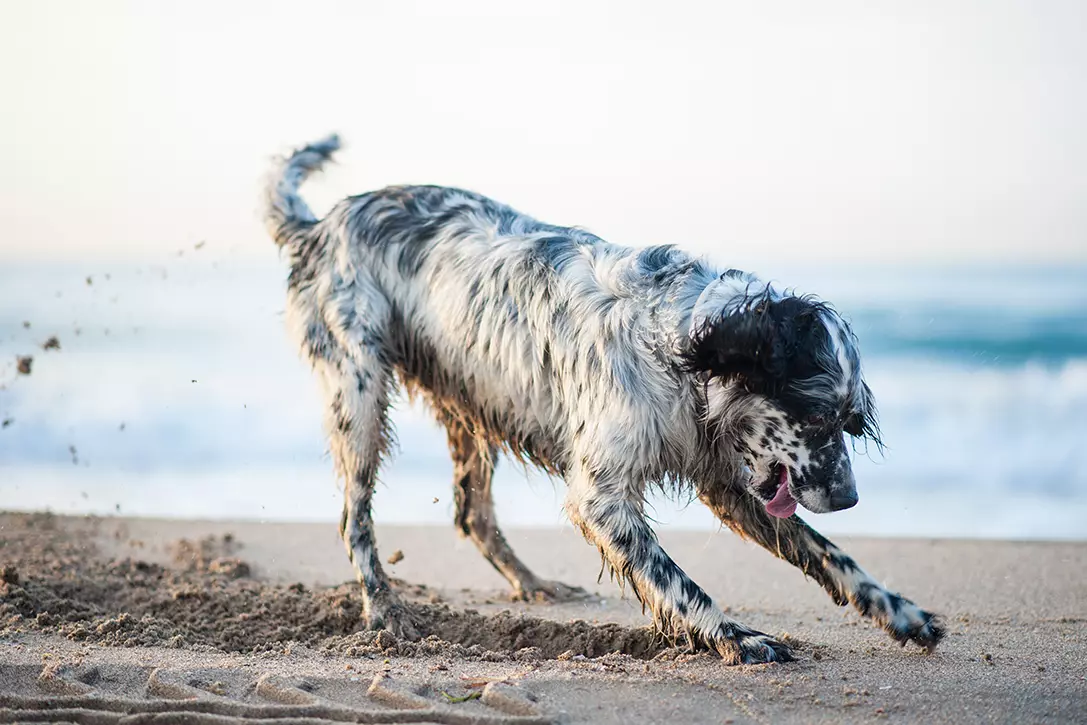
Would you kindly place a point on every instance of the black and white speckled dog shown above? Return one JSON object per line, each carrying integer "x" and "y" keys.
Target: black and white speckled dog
{"x": 613, "y": 368}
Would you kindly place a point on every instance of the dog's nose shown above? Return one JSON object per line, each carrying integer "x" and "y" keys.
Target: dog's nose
{"x": 840, "y": 500}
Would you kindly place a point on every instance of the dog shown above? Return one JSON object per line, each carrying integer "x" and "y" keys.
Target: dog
{"x": 614, "y": 369}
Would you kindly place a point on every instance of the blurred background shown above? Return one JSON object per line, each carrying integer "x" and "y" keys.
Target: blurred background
{"x": 921, "y": 165}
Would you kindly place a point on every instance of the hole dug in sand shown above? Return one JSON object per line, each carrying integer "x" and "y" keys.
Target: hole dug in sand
{"x": 55, "y": 581}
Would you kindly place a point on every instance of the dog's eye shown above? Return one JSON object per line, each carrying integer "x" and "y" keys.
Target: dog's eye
{"x": 815, "y": 421}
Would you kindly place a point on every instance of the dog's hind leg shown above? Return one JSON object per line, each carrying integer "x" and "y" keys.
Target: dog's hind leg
{"x": 473, "y": 470}
{"x": 345, "y": 341}
{"x": 805, "y": 548}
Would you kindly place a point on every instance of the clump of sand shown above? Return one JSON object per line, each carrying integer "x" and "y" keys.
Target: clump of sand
{"x": 56, "y": 581}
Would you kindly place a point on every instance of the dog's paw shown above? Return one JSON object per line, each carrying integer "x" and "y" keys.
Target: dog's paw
{"x": 549, "y": 592}
{"x": 752, "y": 648}
{"x": 907, "y": 622}
{"x": 397, "y": 618}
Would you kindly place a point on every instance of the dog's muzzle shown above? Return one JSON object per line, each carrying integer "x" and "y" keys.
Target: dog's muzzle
{"x": 783, "y": 503}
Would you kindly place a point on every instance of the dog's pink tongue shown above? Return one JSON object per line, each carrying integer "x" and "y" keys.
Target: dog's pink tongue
{"x": 782, "y": 505}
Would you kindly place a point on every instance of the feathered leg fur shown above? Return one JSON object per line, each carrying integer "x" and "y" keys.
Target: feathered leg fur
{"x": 609, "y": 512}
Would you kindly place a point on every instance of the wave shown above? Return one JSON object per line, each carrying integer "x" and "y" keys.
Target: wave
{"x": 975, "y": 336}
{"x": 978, "y": 408}
{"x": 982, "y": 428}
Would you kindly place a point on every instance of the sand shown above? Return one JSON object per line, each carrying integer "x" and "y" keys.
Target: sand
{"x": 110, "y": 620}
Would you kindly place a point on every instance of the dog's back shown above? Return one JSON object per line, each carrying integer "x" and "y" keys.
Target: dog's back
{"x": 524, "y": 331}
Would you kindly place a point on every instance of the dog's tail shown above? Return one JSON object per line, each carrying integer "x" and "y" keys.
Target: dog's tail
{"x": 284, "y": 210}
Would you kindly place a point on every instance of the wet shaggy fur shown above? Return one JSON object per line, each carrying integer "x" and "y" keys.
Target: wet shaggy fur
{"x": 613, "y": 368}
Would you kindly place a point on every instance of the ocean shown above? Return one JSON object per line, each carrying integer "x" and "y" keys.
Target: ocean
{"x": 176, "y": 392}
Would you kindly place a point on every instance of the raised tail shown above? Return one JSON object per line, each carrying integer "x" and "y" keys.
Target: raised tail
{"x": 284, "y": 210}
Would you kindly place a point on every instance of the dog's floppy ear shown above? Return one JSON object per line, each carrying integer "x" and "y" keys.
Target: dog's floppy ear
{"x": 754, "y": 340}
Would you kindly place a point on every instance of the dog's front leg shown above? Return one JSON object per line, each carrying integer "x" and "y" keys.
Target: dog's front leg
{"x": 805, "y": 548}
{"x": 609, "y": 513}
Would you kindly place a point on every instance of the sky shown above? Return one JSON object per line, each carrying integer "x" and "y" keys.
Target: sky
{"x": 942, "y": 132}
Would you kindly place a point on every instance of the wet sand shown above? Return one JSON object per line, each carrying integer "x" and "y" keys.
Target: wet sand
{"x": 189, "y": 621}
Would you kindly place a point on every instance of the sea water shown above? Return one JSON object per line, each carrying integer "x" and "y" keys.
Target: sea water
{"x": 176, "y": 392}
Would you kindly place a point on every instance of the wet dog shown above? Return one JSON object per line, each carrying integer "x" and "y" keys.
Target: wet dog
{"x": 615, "y": 369}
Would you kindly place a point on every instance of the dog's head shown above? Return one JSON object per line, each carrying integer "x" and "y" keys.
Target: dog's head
{"x": 783, "y": 389}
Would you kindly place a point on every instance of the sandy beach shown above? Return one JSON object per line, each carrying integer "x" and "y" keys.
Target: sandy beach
{"x": 187, "y": 621}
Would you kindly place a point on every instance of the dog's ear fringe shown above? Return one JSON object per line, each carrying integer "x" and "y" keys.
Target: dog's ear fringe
{"x": 751, "y": 337}
{"x": 869, "y": 423}
{"x": 733, "y": 346}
